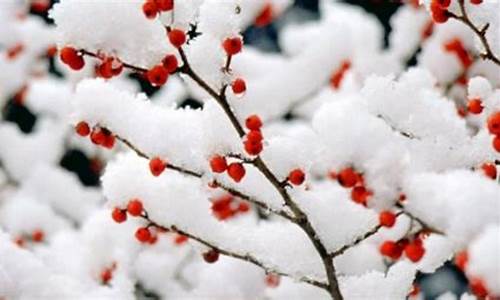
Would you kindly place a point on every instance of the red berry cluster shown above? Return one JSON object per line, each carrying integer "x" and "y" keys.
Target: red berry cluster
{"x": 151, "y": 8}
{"x": 36, "y": 236}
{"x": 265, "y": 16}
{"x": 99, "y": 136}
{"x": 227, "y": 206}
{"x": 338, "y": 75}
{"x": 235, "y": 170}
{"x": 476, "y": 284}
{"x": 456, "y": 47}
{"x": 494, "y": 129}
{"x": 253, "y": 143}
{"x": 72, "y": 57}
{"x": 439, "y": 10}
{"x": 349, "y": 178}
{"x": 413, "y": 249}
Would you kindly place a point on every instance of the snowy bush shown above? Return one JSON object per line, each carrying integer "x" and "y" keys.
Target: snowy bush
{"x": 333, "y": 169}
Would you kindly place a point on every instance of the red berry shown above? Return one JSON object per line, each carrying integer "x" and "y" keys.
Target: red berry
{"x": 415, "y": 250}
{"x": 109, "y": 141}
{"x": 243, "y": 207}
{"x": 98, "y": 136}
{"x": 177, "y": 37}
{"x": 496, "y": 143}
{"x": 218, "y": 164}
{"x": 238, "y": 86}
{"x": 180, "y": 239}
{"x": 158, "y": 75}
{"x": 461, "y": 259}
{"x": 265, "y": 16}
{"x": 414, "y": 290}
{"x": 165, "y": 5}
{"x": 347, "y": 177}
{"x": 338, "y": 75}
{"x": 236, "y": 171}
{"x": 118, "y": 215}
{"x": 475, "y": 106}
{"x": 211, "y": 256}
{"x": 494, "y": 123}
{"x": 273, "y": 280}
{"x": 143, "y": 234}
{"x": 360, "y": 195}
{"x": 478, "y": 287}
{"x": 71, "y": 57}
{"x": 253, "y": 147}
{"x": 428, "y": 29}
{"x": 387, "y": 219}
{"x": 110, "y": 67}
{"x": 442, "y": 3}
{"x": 253, "y": 122}
{"x": 439, "y": 15}
{"x": 170, "y": 63}
{"x": 82, "y": 128}
{"x": 106, "y": 276}
{"x": 134, "y": 207}
{"x": 232, "y": 46}
{"x": 37, "y": 235}
{"x": 391, "y": 249}
{"x": 476, "y": 2}
{"x": 490, "y": 170}
{"x": 150, "y": 9}
{"x": 254, "y": 136}
{"x": 296, "y": 177}
{"x": 157, "y": 166}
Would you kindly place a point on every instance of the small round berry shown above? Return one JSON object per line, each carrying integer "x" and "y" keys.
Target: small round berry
{"x": 461, "y": 260}
{"x": 236, "y": 171}
{"x": 37, "y": 236}
{"x": 478, "y": 287}
{"x": 180, "y": 239}
{"x": 360, "y": 195}
{"x": 232, "y": 46}
{"x": 439, "y": 15}
{"x": 109, "y": 141}
{"x": 211, "y": 256}
{"x": 157, "y": 166}
{"x": 387, "y": 219}
{"x": 143, "y": 234}
{"x": 475, "y": 106}
{"x": 494, "y": 123}
{"x": 177, "y": 37}
{"x": 106, "y": 275}
{"x": 265, "y": 16}
{"x": 82, "y": 128}
{"x": 252, "y": 147}
{"x": 391, "y": 249}
{"x": 150, "y": 9}
{"x": 296, "y": 177}
{"x": 415, "y": 250}
{"x": 253, "y": 122}
{"x": 170, "y": 63}
{"x": 119, "y": 215}
{"x": 218, "y": 164}
{"x": 71, "y": 57}
{"x": 254, "y": 136}
{"x": 347, "y": 177}
{"x": 165, "y": 5}
{"x": 98, "y": 136}
{"x": 490, "y": 170}
{"x": 243, "y": 207}
{"x": 158, "y": 75}
{"x": 496, "y": 143}
{"x": 239, "y": 86}
{"x": 273, "y": 280}
{"x": 134, "y": 207}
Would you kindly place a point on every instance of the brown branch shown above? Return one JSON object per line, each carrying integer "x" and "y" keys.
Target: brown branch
{"x": 246, "y": 257}
{"x": 481, "y": 33}
{"x": 231, "y": 190}
{"x": 300, "y": 218}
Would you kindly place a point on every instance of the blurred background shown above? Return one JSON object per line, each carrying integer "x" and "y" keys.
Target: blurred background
{"x": 447, "y": 278}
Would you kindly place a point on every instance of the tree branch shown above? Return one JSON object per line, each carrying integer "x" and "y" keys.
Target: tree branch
{"x": 481, "y": 33}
